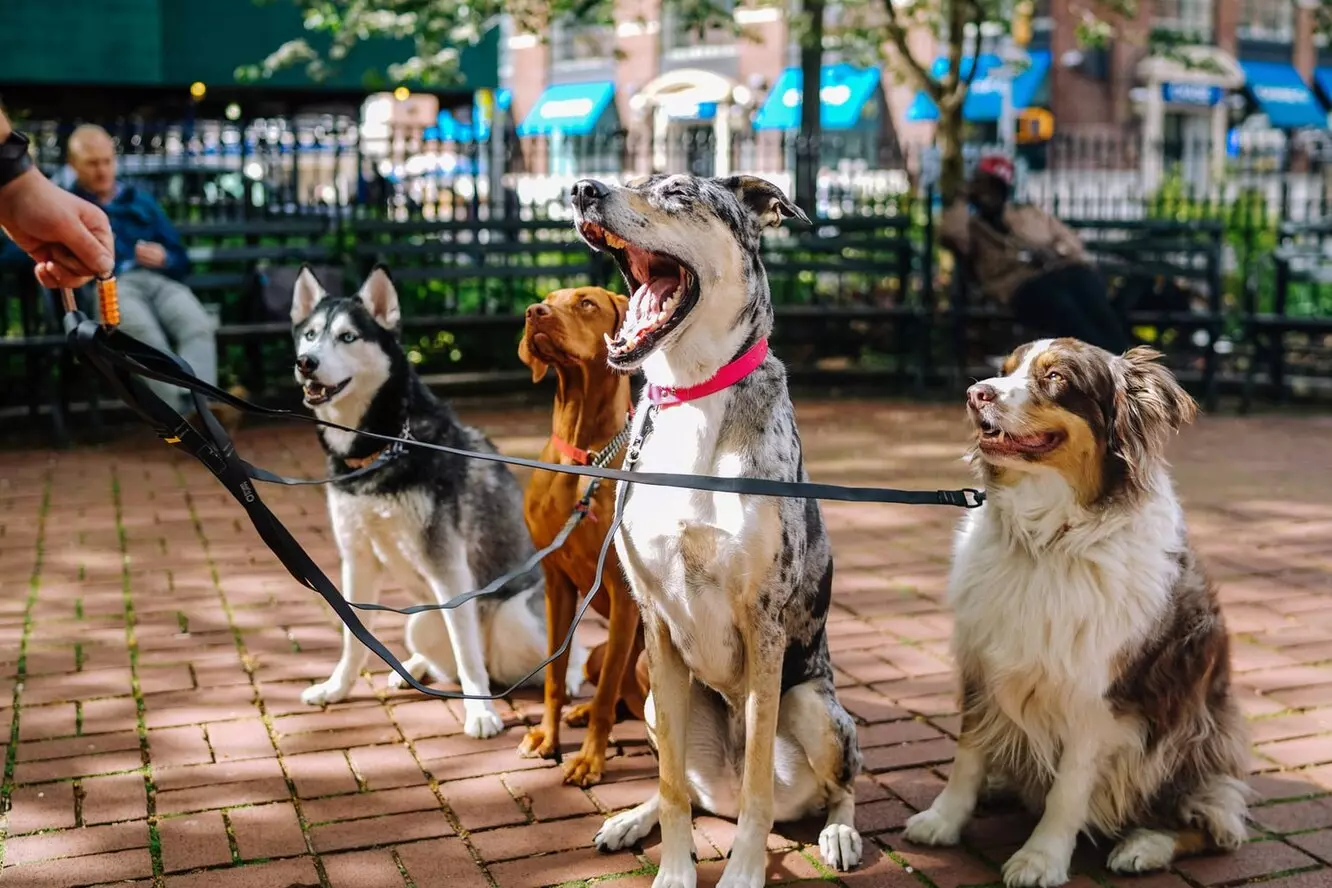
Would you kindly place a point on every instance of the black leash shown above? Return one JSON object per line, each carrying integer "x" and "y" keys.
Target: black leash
{"x": 120, "y": 358}
{"x": 123, "y": 351}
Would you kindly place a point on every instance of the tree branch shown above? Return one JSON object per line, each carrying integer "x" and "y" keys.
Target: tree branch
{"x": 899, "y": 36}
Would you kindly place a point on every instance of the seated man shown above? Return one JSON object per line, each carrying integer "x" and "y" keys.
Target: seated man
{"x": 1028, "y": 260}
{"x": 155, "y": 306}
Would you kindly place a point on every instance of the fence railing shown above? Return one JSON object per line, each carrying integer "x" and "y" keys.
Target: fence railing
{"x": 867, "y": 288}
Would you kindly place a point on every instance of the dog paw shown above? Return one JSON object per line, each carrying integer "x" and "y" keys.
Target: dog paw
{"x": 929, "y": 827}
{"x": 416, "y": 667}
{"x": 743, "y": 874}
{"x": 679, "y": 877}
{"x": 840, "y": 846}
{"x": 1035, "y": 868}
{"x": 623, "y": 830}
{"x": 584, "y": 769}
{"x": 482, "y": 724}
{"x": 1143, "y": 851}
{"x": 325, "y": 692}
{"x": 537, "y": 744}
{"x": 577, "y": 716}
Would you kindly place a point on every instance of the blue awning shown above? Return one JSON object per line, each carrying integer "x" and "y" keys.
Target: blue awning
{"x": 570, "y": 108}
{"x": 1283, "y": 95}
{"x": 1323, "y": 77}
{"x": 449, "y": 129}
{"x": 983, "y": 102}
{"x": 845, "y": 92}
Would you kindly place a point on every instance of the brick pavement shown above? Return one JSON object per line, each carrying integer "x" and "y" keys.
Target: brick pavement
{"x": 154, "y": 653}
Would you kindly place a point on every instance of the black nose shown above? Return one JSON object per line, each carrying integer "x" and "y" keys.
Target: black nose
{"x": 538, "y": 310}
{"x": 587, "y": 192}
{"x": 981, "y": 394}
{"x": 306, "y": 365}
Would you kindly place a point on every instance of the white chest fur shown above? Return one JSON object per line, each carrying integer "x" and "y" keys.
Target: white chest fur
{"x": 392, "y": 528}
{"x": 691, "y": 554}
{"x": 1047, "y": 597}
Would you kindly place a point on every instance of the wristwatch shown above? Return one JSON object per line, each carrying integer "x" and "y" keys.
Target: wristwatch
{"x": 14, "y": 157}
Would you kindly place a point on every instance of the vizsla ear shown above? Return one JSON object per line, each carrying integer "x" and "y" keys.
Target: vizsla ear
{"x": 538, "y": 366}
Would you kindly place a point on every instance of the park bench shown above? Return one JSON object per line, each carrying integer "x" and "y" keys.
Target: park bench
{"x": 847, "y": 283}
{"x": 1133, "y": 256}
{"x": 1301, "y": 307}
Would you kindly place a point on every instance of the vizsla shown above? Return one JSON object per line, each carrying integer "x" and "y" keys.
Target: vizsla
{"x": 567, "y": 332}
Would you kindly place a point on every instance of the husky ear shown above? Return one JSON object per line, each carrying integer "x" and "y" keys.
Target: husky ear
{"x": 381, "y": 298}
{"x": 765, "y": 201}
{"x": 306, "y": 295}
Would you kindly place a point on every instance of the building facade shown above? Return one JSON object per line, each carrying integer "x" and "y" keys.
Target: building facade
{"x": 1246, "y": 72}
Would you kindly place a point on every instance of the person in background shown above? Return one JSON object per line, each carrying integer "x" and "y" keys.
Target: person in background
{"x": 156, "y": 307}
{"x": 1026, "y": 259}
{"x": 69, "y": 240}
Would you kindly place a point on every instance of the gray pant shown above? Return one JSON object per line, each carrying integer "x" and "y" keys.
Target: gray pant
{"x": 162, "y": 312}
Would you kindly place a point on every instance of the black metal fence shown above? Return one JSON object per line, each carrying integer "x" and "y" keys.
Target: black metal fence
{"x": 1234, "y": 237}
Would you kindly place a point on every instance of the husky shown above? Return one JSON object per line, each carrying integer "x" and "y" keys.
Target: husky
{"x": 439, "y": 525}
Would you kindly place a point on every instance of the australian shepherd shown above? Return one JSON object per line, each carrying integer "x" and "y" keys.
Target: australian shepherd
{"x": 1093, "y": 656}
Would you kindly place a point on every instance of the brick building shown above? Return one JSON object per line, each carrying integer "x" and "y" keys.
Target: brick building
{"x": 706, "y": 99}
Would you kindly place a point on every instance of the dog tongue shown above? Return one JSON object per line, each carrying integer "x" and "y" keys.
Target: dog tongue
{"x": 660, "y": 288}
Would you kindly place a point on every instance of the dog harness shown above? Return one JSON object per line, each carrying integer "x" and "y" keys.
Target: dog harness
{"x": 669, "y": 396}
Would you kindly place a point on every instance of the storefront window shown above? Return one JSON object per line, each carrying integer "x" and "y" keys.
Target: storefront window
{"x": 1190, "y": 18}
{"x": 1268, "y": 21}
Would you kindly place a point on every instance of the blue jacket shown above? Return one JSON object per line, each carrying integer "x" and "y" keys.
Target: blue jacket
{"x": 136, "y": 216}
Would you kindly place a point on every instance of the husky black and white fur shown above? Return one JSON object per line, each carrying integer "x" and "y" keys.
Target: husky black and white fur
{"x": 734, "y": 590}
{"x": 439, "y": 524}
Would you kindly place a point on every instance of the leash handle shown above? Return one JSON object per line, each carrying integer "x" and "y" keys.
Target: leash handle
{"x": 108, "y": 301}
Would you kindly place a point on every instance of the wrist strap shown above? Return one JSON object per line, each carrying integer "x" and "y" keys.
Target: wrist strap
{"x": 14, "y": 158}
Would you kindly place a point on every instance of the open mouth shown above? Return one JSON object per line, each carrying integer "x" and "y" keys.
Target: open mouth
{"x": 317, "y": 393}
{"x": 663, "y": 292}
{"x": 996, "y": 441}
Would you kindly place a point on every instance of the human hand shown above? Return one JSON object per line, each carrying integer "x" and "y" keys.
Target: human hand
{"x": 68, "y": 237}
{"x": 149, "y": 254}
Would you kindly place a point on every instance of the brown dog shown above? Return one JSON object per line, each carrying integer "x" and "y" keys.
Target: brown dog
{"x": 567, "y": 331}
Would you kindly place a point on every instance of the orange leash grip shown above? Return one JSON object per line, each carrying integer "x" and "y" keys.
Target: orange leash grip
{"x": 108, "y": 301}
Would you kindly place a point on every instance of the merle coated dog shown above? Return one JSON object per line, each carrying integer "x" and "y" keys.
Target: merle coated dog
{"x": 439, "y": 524}
{"x": 734, "y": 590}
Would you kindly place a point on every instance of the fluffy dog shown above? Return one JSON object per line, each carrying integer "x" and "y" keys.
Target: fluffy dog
{"x": 441, "y": 525}
{"x": 733, "y": 590}
{"x": 1093, "y": 655}
{"x": 567, "y": 331}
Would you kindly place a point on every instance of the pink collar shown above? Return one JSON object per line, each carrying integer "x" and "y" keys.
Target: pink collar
{"x": 665, "y": 396}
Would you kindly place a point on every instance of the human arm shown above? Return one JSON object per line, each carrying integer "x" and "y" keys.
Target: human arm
{"x": 68, "y": 237}
{"x": 954, "y": 228}
{"x": 172, "y": 261}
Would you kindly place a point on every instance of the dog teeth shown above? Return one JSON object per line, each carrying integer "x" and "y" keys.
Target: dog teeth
{"x": 615, "y": 241}
{"x": 610, "y": 343}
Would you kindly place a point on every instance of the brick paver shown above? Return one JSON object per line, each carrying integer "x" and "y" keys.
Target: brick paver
{"x": 152, "y": 654}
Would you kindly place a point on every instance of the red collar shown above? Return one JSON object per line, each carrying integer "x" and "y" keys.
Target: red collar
{"x": 579, "y": 456}
{"x": 664, "y": 396}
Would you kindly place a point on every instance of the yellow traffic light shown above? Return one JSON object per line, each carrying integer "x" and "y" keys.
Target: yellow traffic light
{"x": 1021, "y": 31}
{"x": 402, "y": 94}
{"x": 197, "y": 89}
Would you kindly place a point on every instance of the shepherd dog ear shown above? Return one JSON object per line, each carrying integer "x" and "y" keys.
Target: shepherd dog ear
{"x": 1150, "y": 406}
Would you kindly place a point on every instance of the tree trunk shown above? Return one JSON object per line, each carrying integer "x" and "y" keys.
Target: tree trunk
{"x": 810, "y": 138}
{"x": 951, "y": 168}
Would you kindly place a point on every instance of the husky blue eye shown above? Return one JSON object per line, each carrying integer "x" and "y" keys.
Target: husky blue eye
{"x": 310, "y": 335}
{"x": 348, "y": 337}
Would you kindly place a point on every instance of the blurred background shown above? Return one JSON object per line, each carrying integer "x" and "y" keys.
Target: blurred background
{"x": 1186, "y": 142}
